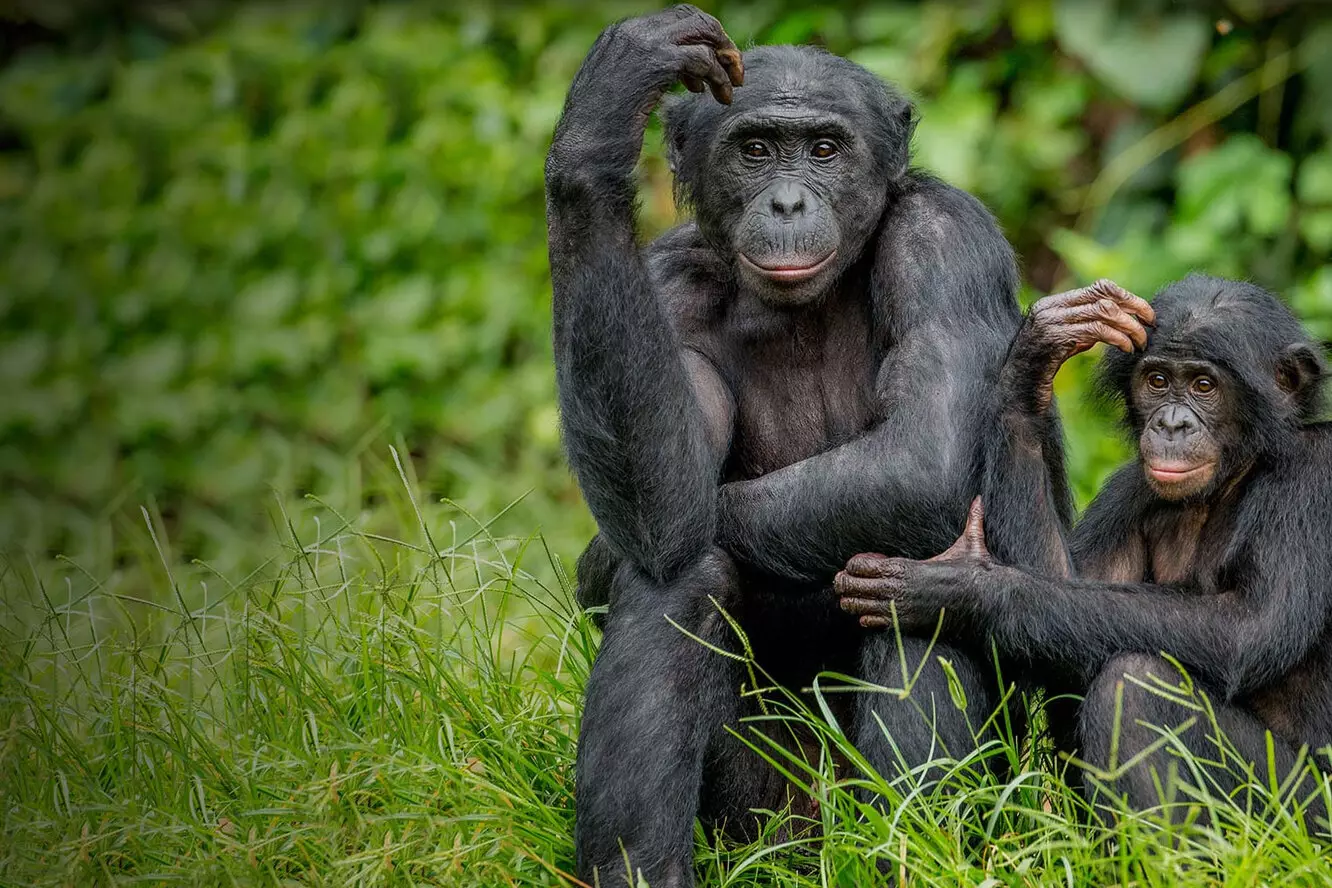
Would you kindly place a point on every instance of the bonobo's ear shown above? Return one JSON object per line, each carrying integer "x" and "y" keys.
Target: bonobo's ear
{"x": 903, "y": 127}
{"x": 675, "y": 113}
{"x": 1299, "y": 368}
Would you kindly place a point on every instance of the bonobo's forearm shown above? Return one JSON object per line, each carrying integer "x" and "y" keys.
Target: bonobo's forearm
{"x": 633, "y": 428}
{"x": 1024, "y": 486}
{"x": 1081, "y": 624}
{"x": 902, "y": 487}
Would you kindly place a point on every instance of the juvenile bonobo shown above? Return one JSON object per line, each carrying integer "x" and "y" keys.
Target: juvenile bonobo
{"x": 802, "y": 372}
{"x": 1213, "y": 547}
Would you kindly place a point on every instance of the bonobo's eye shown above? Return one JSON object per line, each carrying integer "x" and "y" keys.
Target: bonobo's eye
{"x": 823, "y": 149}
{"x": 1204, "y": 385}
{"x": 754, "y": 148}
{"x": 1157, "y": 382}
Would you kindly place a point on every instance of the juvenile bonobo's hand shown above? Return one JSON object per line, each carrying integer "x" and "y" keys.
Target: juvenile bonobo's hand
{"x": 1063, "y": 325}
{"x": 872, "y": 585}
{"x": 633, "y": 63}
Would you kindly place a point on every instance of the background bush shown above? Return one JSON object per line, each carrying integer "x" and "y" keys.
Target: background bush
{"x": 249, "y": 246}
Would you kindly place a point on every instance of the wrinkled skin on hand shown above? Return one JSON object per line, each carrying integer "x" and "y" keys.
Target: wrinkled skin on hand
{"x": 1066, "y": 324}
{"x": 875, "y": 587}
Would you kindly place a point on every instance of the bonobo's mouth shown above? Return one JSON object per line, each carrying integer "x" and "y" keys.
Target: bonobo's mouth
{"x": 787, "y": 273}
{"x": 1176, "y": 473}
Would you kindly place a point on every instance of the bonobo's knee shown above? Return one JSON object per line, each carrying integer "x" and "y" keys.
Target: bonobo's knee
{"x": 595, "y": 572}
{"x": 1133, "y": 697}
{"x": 693, "y": 599}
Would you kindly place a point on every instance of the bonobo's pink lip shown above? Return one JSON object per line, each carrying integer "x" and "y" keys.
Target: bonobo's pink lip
{"x": 1173, "y": 473}
{"x": 789, "y": 274}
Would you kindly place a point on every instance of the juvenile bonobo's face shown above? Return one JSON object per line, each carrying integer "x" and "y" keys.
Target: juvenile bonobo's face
{"x": 791, "y": 179}
{"x": 1186, "y": 414}
{"x": 1227, "y": 381}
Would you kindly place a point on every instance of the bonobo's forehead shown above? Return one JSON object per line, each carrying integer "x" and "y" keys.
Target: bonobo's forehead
{"x": 803, "y": 77}
{"x": 799, "y": 82}
{"x": 1222, "y": 320}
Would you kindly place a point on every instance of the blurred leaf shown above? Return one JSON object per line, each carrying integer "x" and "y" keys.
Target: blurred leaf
{"x": 1151, "y": 60}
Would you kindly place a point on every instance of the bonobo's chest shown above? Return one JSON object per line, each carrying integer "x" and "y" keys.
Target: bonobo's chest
{"x": 799, "y": 391}
{"x": 1187, "y": 544}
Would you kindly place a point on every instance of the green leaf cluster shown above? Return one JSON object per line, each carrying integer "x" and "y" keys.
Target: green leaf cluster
{"x": 238, "y": 259}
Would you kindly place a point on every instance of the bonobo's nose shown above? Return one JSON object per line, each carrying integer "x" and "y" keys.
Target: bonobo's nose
{"x": 788, "y": 200}
{"x": 1174, "y": 421}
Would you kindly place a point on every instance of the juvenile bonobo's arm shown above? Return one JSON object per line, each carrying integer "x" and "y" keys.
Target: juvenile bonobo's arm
{"x": 640, "y": 416}
{"x": 1235, "y": 641}
{"x": 943, "y": 300}
{"x": 1020, "y": 488}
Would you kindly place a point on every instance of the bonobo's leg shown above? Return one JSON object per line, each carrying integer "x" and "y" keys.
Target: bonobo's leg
{"x": 926, "y": 724}
{"x": 1120, "y": 719}
{"x": 654, "y": 700}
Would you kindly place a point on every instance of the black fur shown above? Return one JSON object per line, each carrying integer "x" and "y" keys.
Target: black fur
{"x": 738, "y": 439}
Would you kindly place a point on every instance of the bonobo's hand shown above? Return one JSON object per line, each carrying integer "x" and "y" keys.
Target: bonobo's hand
{"x": 628, "y": 69}
{"x": 1061, "y": 326}
{"x": 872, "y": 585}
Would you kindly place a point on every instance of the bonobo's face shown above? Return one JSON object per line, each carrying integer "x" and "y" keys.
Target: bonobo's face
{"x": 789, "y": 182}
{"x": 798, "y": 175}
{"x": 1186, "y": 413}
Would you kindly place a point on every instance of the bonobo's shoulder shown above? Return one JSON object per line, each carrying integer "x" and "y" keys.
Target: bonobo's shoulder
{"x": 1301, "y": 483}
{"x": 1126, "y": 484}
{"x": 946, "y": 209}
{"x": 688, "y": 274}
{"x": 1311, "y": 466}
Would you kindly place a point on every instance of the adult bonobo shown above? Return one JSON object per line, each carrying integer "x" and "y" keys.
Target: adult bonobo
{"x": 1212, "y": 547}
{"x": 803, "y": 372}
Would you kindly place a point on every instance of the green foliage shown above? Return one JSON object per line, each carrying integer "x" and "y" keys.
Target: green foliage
{"x": 237, "y": 261}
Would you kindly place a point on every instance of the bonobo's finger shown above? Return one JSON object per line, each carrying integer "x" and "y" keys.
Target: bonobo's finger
{"x": 870, "y": 588}
{"x": 700, "y": 62}
{"x": 864, "y": 606}
{"x": 869, "y": 564}
{"x": 1135, "y": 305}
{"x": 868, "y": 622}
{"x": 1104, "y": 332}
{"x": 1106, "y": 311}
{"x": 696, "y": 27}
{"x": 693, "y": 84}
{"x": 734, "y": 65}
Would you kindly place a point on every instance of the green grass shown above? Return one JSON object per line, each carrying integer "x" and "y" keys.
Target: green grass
{"x": 392, "y": 698}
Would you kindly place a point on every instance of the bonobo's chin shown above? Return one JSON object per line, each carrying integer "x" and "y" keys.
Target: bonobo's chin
{"x": 1174, "y": 480}
{"x": 789, "y": 280}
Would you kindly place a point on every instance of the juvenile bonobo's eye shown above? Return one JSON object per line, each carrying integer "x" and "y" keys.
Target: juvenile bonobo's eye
{"x": 823, "y": 149}
{"x": 1157, "y": 382}
{"x": 754, "y": 148}
{"x": 1204, "y": 385}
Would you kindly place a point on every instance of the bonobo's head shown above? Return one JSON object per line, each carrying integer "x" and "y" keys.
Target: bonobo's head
{"x": 790, "y": 180}
{"x": 1226, "y": 380}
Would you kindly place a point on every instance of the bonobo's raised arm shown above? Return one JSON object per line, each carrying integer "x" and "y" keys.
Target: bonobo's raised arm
{"x": 641, "y": 443}
{"x": 943, "y": 294}
{"x": 1019, "y": 488}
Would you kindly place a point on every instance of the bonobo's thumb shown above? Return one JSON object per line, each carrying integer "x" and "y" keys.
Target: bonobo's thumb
{"x": 971, "y": 544}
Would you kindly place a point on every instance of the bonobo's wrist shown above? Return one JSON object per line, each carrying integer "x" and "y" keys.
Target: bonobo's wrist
{"x": 1026, "y": 381}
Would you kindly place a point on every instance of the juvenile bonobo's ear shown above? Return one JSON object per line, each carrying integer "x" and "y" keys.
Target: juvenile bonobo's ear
{"x": 1299, "y": 372}
{"x": 971, "y": 544}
